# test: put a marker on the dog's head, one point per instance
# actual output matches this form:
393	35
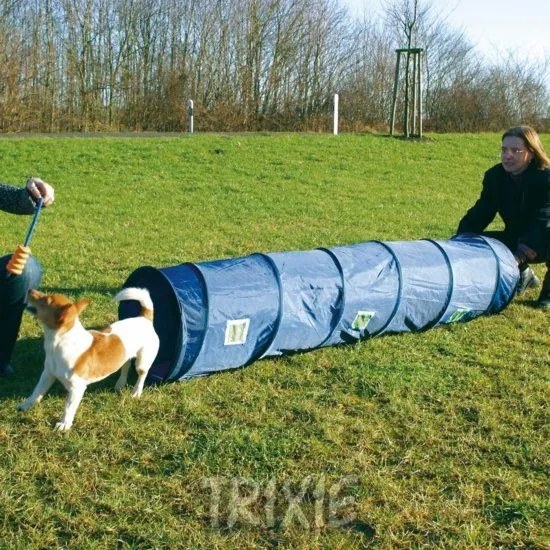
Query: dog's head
54	311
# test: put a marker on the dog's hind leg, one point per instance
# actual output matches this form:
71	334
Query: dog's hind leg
123	378
138	388
44	384
144	360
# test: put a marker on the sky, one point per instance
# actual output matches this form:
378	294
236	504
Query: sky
495	27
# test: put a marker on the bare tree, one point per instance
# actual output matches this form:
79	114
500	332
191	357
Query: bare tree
87	65
366	95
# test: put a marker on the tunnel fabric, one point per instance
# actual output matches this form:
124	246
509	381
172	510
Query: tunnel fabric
223	314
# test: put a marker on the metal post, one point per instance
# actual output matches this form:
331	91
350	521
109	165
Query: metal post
335	118
190	115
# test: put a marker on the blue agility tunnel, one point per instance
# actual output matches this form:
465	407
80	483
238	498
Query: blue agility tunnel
223	314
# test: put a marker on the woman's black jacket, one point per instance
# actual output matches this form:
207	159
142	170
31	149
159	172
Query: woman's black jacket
523	203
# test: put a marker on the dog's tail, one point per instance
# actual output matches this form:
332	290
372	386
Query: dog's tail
142	296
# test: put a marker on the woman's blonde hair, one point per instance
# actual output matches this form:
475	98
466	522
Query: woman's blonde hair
532	142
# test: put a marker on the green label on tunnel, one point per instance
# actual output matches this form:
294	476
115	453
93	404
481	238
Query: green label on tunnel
236	331
362	319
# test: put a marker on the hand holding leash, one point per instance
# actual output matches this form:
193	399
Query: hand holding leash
38	189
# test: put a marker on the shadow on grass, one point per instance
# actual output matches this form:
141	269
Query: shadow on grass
28	361
401	137
534	303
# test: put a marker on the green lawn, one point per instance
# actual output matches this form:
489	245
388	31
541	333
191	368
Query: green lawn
437	439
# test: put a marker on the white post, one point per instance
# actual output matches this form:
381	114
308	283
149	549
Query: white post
335	120
190	114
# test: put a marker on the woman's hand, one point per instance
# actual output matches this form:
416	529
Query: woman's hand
38	188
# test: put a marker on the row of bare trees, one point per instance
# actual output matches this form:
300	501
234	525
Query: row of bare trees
93	65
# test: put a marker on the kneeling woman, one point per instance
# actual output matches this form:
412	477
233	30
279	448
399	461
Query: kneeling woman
518	189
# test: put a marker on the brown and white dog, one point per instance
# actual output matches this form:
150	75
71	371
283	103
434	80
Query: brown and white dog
78	357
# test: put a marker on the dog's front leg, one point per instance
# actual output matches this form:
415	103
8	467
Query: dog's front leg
44	384
74	398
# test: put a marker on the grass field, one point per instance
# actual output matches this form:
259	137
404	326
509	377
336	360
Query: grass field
438	439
